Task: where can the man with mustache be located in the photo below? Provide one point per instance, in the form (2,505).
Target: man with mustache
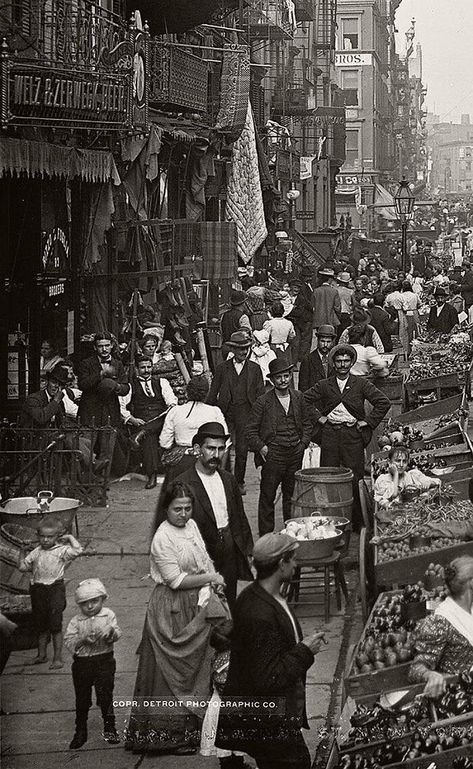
(218,508)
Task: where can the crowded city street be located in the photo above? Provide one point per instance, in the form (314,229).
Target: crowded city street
(236,353)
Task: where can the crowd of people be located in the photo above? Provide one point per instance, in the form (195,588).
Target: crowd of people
(327,333)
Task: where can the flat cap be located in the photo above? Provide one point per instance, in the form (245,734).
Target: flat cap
(89,589)
(272,546)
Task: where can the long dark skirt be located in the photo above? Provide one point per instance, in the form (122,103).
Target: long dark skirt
(173,679)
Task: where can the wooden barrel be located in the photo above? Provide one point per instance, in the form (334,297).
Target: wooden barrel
(327,490)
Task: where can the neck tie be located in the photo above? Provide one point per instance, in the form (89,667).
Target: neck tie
(324,363)
(148,390)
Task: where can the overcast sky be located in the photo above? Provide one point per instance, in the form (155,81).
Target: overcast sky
(445,30)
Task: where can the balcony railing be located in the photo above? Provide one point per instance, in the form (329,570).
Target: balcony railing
(177,78)
(305,10)
(270,20)
(77,34)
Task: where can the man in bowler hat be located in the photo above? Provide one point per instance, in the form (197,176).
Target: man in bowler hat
(278,432)
(317,365)
(236,385)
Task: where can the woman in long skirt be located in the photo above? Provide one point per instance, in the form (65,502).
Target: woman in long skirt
(174,672)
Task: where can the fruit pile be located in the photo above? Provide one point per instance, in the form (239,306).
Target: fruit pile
(396,434)
(378,723)
(424,742)
(458,698)
(455,416)
(392,551)
(435,571)
(415,516)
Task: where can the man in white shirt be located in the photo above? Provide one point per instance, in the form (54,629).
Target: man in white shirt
(218,508)
(148,398)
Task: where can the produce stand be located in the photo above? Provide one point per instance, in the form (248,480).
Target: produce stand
(404,571)
(459,381)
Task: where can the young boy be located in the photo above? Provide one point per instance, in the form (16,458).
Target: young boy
(89,637)
(47,563)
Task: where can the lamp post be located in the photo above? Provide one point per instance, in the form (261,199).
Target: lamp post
(404,201)
(292,196)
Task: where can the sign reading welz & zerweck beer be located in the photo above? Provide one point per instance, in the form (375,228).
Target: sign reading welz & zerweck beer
(61,97)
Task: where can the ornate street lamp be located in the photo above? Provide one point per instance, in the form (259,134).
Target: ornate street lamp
(404,201)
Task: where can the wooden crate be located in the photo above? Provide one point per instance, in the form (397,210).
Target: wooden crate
(377,681)
(406,571)
(431,411)
(459,380)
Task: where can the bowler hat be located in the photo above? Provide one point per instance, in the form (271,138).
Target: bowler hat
(327,273)
(279,366)
(344,349)
(209,430)
(344,277)
(326,330)
(60,373)
(239,339)
(237,297)
(270,547)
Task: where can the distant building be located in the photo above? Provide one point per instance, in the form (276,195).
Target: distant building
(451,156)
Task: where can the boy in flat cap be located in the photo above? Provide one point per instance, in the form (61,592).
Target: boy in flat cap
(89,637)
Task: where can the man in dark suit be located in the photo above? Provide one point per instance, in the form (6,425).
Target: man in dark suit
(102,379)
(269,660)
(342,426)
(45,408)
(218,509)
(302,313)
(236,385)
(382,322)
(144,406)
(317,365)
(278,431)
(443,317)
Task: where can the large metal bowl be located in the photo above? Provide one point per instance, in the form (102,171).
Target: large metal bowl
(25,511)
(316,549)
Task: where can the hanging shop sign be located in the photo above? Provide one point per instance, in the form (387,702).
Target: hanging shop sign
(38,94)
(355,179)
(55,256)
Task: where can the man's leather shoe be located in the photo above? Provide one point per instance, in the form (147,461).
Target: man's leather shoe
(79,739)
(152,481)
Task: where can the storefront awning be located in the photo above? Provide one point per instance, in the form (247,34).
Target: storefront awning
(19,156)
(384,203)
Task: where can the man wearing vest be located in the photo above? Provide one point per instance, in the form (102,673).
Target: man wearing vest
(148,397)
(237,383)
(279,431)
(235,319)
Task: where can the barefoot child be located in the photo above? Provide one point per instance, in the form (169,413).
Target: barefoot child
(89,637)
(47,563)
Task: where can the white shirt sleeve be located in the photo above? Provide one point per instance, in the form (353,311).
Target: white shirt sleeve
(244,322)
(166,438)
(377,343)
(168,393)
(124,401)
(376,362)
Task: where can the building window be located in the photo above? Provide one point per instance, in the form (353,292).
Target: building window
(468,165)
(352,149)
(350,34)
(350,86)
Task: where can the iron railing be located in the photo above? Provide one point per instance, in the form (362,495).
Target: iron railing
(270,19)
(78,34)
(177,78)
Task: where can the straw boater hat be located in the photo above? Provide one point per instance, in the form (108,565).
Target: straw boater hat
(326,273)
(344,277)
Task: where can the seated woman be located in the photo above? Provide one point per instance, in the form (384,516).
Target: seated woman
(444,641)
(368,361)
(175,651)
(389,486)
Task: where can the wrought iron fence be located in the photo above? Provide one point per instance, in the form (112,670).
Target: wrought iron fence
(63,461)
(73,33)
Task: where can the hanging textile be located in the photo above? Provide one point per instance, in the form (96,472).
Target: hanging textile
(234,89)
(244,196)
(18,156)
(218,243)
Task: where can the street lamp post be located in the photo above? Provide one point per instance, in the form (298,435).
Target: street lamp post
(404,201)
(292,196)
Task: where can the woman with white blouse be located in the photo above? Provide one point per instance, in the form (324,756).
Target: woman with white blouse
(175,650)
(182,423)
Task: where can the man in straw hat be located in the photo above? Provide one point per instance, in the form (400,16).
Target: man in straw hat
(317,365)
(234,319)
(342,425)
(326,301)
(269,660)
(278,432)
(237,384)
